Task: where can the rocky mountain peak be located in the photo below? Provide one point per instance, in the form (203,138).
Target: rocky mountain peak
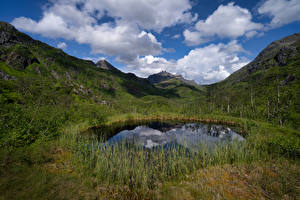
(278,53)
(103,64)
(9,35)
(164,76)
(160,77)
(281,51)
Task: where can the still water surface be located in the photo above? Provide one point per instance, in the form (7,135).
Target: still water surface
(187,135)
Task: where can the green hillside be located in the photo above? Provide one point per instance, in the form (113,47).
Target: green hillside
(37,78)
(267,88)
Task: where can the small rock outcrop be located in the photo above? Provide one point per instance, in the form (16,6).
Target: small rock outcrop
(103,64)
(14,47)
(10,36)
(288,79)
(20,59)
(6,77)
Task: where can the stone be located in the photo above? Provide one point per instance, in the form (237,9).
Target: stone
(288,79)
(54,74)
(6,77)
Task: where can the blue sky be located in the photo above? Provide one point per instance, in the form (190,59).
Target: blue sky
(202,40)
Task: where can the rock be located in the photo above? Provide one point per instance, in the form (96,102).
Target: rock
(6,77)
(10,36)
(68,76)
(89,91)
(277,53)
(37,70)
(288,79)
(160,77)
(20,59)
(103,102)
(3,58)
(54,74)
(75,91)
(105,85)
(103,64)
(284,54)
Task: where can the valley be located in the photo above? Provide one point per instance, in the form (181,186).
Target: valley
(49,100)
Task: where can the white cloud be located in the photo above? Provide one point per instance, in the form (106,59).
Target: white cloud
(229,21)
(50,25)
(281,11)
(149,14)
(145,66)
(123,41)
(204,65)
(219,74)
(193,38)
(122,37)
(177,36)
(62,45)
(128,35)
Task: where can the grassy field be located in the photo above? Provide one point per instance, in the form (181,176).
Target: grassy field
(74,167)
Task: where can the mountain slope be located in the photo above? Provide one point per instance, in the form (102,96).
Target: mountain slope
(278,53)
(42,86)
(268,87)
(21,55)
(165,76)
(185,88)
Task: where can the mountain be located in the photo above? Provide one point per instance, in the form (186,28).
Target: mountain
(278,53)
(268,87)
(177,84)
(165,76)
(42,88)
(103,64)
(21,56)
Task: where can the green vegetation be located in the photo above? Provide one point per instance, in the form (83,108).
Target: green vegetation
(49,99)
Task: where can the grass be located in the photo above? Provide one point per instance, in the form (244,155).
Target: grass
(88,170)
(139,174)
(267,179)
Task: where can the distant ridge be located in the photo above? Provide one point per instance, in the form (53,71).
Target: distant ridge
(165,76)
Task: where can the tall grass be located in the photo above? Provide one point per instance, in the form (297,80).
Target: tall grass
(141,170)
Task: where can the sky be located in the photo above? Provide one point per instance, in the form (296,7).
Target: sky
(201,40)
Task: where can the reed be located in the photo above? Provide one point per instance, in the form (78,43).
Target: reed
(140,170)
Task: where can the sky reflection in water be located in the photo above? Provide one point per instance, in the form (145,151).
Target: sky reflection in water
(190,135)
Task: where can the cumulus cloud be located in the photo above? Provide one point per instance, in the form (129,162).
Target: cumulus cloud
(147,65)
(50,25)
(229,21)
(62,45)
(281,11)
(205,65)
(126,36)
(150,14)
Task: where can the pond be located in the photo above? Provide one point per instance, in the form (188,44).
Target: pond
(174,134)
